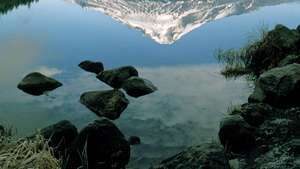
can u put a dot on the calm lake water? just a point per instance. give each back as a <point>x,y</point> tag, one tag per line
<point>171,43</point>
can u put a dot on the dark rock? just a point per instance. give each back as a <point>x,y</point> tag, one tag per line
<point>298,28</point>
<point>90,66</point>
<point>256,113</point>
<point>2,130</point>
<point>279,87</point>
<point>134,140</point>
<point>100,145</point>
<point>108,103</point>
<point>136,87</point>
<point>37,84</point>
<point>294,145</point>
<point>205,156</point>
<point>236,135</point>
<point>289,60</point>
<point>275,46</point>
<point>116,77</point>
<point>60,136</point>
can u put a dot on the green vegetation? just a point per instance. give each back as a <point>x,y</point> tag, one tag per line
<point>8,5</point>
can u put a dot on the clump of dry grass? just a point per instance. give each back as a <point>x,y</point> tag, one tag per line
<point>26,153</point>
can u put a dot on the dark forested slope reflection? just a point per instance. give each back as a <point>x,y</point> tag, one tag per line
<point>8,5</point>
<point>166,21</point>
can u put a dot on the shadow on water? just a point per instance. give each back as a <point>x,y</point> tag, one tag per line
<point>6,6</point>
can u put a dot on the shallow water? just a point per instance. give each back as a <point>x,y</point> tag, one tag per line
<point>176,53</point>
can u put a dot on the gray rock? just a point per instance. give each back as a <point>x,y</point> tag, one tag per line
<point>289,60</point>
<point>37,84</point>
<point>99,145</point>
<point>90,66</point>
<point>136,87</point>
<point>279,87</point>
<point>116,77</point>
<point>108,103</point>
<point>205,156</point>
<point>236,135</point>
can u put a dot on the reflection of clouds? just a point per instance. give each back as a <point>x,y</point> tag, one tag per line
<point>49,71</point>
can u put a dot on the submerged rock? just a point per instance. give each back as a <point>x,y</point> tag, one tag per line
<point>37,84</point>
<point>100,145</point>
<point>205,156</point>
<point>134,140</point>
<point>60,136</point>
<point>116,77</point>
<point>279,87</point>
<point>136,87</point>
<point>236,135</point>
<point>108,103</point>
<point>90,66</point>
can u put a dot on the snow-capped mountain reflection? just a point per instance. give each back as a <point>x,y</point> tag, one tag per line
<point>166,21</point>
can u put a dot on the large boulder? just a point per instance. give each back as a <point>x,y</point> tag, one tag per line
<point>60,136</point>
<point>108,103</point>
<point>236,135</point>
<point>256,113</point>
<point>136,87</point>
<point>116,77</point>
<point>205,156</point>
<point>90,66</point>
<point>37,84</point>
<point>100,145</point>
<point>279,87</point>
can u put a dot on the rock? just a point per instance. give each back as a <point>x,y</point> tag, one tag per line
<point>289,60</point>
<point>116,77</point>
<point>2,130</point>
<point>256,113</point>
<point>134,140</point>
<point>205,156</point>
<point>90,66</point>
<point>275,46</point>
<point>108,103</point>
<point>60,136</point>
<point>236,135</point>
<point>102,146</point>
<point>298,28</point>
<point>278,87</point>
<point>136,87</point>
<point>37,84</point>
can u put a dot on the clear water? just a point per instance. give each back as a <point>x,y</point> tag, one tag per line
<point>53,36</point>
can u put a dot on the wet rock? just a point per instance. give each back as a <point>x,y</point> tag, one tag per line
<point>108,103</point>
<point>289,60</point>
<point>2,130</point>
<point>236,135</point>
<point>279,87</point>
<point>256,113</point>
<point>60,136</point>
<point>134,140</point>
<point>205,156</point>
<point>116,77</point>
<point>90,66</point>
<point>136,87</point>
<point>37,84</point>
<point>100,145</point>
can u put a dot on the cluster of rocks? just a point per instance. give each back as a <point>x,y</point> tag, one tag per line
<point>100,144</point>
<point>264,132</point>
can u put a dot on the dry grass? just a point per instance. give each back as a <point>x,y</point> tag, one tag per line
<point>26,154</point>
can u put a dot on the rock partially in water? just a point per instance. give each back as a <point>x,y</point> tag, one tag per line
<point>279,87</point>
<point>108,103</point>
<point>116,77</point>
<point>137,87</point>
<point>205,156</point>
<point>37,84</point>
<point>90,66</point>
<point>134,140</point>
<point>100,145</point>
<point>289,60</point>
<point>236,135</point>
<point>60,136</point>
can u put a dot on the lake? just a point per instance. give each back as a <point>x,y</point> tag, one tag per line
<point>172,43</point>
